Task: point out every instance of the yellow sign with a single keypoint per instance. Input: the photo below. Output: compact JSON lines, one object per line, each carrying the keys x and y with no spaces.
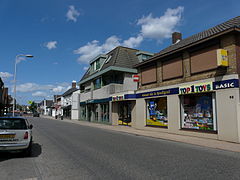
{"x":30,"y":102}
{"x":222,"y":57}
{"x":196,"y":88}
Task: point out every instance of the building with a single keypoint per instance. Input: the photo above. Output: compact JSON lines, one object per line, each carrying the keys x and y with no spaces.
{"x":108,"y":75}
{"x":1,"y":97}
{"x":67,"y":100}
{"x":192,"y":86}
{"x":57,"y":104}
{"x":46,"y":107}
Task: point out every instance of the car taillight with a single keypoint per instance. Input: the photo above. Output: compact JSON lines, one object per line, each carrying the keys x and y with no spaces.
{"x":26,"y":135}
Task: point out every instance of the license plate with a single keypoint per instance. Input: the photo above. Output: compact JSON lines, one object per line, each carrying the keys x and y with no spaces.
{"x":7,"y":136}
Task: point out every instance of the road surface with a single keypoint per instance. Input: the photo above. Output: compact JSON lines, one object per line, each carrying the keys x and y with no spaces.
{"x":67,"y":151}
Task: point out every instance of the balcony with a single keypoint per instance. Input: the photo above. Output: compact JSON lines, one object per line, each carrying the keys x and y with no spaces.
{"x":106,"y":91}
{"x":84,"y":96}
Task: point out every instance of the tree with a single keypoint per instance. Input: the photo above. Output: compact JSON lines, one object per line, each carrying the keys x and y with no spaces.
{"x":33,"y":107}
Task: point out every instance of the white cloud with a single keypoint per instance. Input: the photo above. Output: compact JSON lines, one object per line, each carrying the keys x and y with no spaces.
{"x":161,"y":27}
{"x":51,"y":45}
{"x":85,"y":68}
{"x":19,"y":59}
{"x":31,"y":87}
{"x":158,"y":28}
{"x":72,"y":14}
{"x":39,"y":94}
{"x":133,"y":42}
{"x":59,"y":89}
{"x":93,"y":49}
{"x":5,"y":75}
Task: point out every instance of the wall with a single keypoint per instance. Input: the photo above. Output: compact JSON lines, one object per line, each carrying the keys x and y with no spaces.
{"x":227,"y":114}
{"x":128,"y":83}
{"x":85,"y":96}
{"x":106,"y":91}
{"x":227,"y":42}
{"x":75,"y":105}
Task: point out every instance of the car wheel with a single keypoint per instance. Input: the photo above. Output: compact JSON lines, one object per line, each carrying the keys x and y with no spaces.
{"x":28,"y":152}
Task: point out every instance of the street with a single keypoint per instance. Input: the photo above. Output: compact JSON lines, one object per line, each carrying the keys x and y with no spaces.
{"x":64,"y":150}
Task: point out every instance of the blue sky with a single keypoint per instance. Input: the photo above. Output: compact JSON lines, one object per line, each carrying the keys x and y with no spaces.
{"x":63,"y":35}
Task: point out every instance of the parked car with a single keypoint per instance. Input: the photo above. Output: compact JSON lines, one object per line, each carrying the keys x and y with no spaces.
{"x":15,"y":135}
{"x":36,"y":114}
{"x":11,"y":114}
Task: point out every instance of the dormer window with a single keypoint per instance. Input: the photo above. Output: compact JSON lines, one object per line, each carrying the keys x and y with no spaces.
{"x":97,"y":62}
{"x":96,"y":65}
{"x":142,"y":56}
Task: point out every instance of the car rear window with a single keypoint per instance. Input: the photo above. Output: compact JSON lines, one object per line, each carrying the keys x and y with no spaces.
{"x":12,"y":124}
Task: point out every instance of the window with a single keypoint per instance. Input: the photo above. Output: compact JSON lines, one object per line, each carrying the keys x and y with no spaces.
{"x":105,"y":112}
{"x":149,"y":74}
{"x":12,"y":124}
{"x":172,"y":68}
{"x":97,"y":62}
{"x":108,"y":59}
{"x":198,"y":112}
{"x":157,"y":112}
{"x":204,"y":60}
{"x":97,"y":83}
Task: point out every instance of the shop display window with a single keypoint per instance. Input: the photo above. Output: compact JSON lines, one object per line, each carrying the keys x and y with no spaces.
{"x":83,"y":112}
{"x":124,"y":114}
{"x":157,"y":112}
{"x":105,"y":112}
{"x":198,"y":112}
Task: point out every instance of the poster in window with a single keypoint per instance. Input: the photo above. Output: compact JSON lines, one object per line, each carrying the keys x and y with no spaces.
{"x":157,"y":112}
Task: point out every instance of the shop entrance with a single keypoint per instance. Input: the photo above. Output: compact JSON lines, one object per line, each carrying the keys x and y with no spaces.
{"x":89,"y":113}
{"x":124,"y":113}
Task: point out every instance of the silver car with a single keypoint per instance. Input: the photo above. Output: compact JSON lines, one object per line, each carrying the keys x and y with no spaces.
{"x":15,"y":135}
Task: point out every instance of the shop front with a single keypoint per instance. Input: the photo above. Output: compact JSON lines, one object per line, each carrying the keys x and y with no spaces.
{"x":123,"y":108}
{"x":95,"y":110}
{"x":204,"y":109}
{"x":157,"y":112}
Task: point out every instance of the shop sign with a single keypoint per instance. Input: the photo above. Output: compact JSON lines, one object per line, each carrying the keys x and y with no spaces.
{"x":222,"y":57}
{"x":196,"y":88}
{"x":118,"y":98}
{"x":158,"y":93}
{"x":232,"y":83}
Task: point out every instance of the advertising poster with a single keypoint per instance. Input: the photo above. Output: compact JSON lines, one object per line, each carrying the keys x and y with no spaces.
{"x":157,"y":112}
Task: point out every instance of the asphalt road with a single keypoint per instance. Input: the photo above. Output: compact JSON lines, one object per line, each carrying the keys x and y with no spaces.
{"x":69,"y":151}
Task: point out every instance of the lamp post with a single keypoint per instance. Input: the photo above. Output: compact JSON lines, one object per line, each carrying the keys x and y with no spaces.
{"x":15,"y":74}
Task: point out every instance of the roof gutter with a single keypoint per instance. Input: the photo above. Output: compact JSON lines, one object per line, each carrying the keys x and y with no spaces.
{"x":186,"y":47}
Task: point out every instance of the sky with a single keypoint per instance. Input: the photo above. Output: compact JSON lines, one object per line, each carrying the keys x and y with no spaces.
{"x":64,"y":35}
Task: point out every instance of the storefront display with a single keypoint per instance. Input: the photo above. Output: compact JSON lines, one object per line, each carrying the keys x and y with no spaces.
{"x":105,"y":112}
{"x":124,"y":113}
{"x":157,"y":112}
{"x":197,"y":112}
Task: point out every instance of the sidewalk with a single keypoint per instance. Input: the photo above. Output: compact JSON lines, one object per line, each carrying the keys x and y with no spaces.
{"x":217,"y":144}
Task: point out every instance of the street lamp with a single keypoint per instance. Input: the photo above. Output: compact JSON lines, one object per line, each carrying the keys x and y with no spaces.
{"x":15,"y":74}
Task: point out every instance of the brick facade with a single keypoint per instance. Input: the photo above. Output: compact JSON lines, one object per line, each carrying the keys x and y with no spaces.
{"x":229,"y":42}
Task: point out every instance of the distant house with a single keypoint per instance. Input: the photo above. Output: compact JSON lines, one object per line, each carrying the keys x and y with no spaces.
{"x":67,"y":100}
{"x":1,"y":97}
{"x":108,"y":76}
{"x":46,"y":107}
{"x":56,"y":110}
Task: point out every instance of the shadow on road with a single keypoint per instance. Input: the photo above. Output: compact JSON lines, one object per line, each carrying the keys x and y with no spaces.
{"x":36,"y":151}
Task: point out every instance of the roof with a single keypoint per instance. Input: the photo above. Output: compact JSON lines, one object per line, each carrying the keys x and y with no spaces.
{"x":70,"y":91}
{"x":227,"y":26}
{"x":121,"y":57}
